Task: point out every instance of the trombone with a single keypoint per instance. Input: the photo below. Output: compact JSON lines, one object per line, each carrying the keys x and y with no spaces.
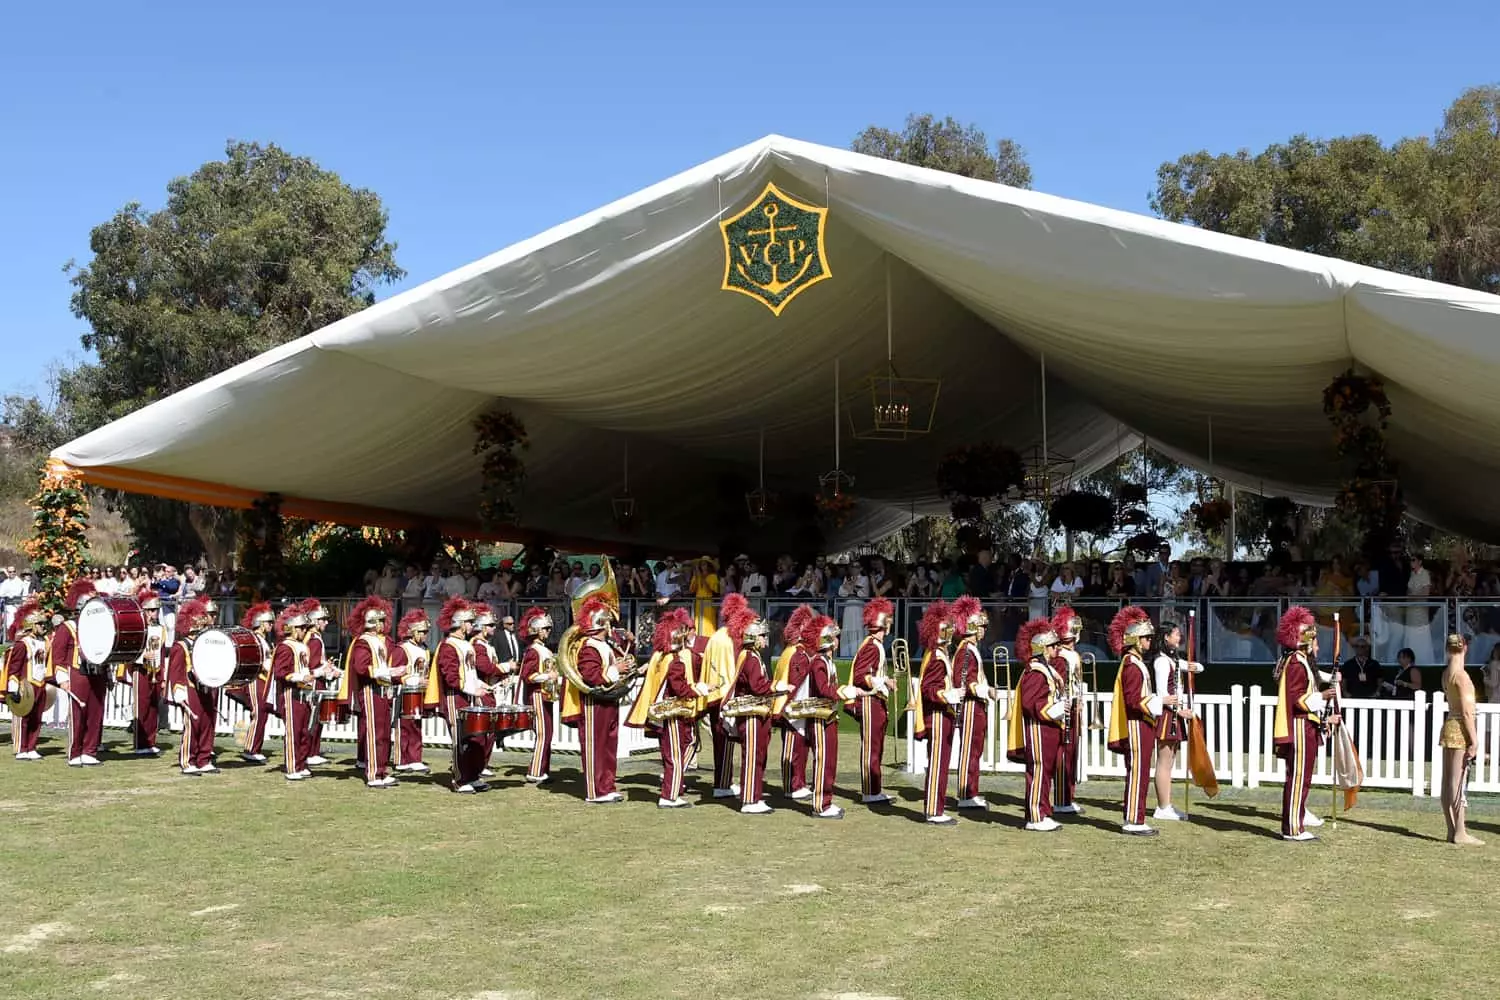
{"x":1096,"y":720}
{"x":998,"y":655}
{"x":900,"y":664}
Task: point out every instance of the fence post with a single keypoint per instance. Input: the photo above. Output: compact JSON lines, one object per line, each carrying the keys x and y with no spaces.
{"x":1419,"y":744}
{"x":1237,"y":736}
{"x":1252,"y":745}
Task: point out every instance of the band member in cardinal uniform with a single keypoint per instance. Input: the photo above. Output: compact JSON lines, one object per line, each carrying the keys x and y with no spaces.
{"x":458,"y":683}
{"x":793,"y":742}
{"x":1302,"y":698}
{"x":371,"y":684}
{"x":670,"y":680}
{"x":969,"y":624}
{"x":822,"y":639}
{"x":1137,"y":710}
{"x":1167,"y":667}
{"x":148,"y":677}
{"x":324,"y":670}
{"x":291,"y":667}
{"x":491,"y":671}
{"x":540,"y":682}
{"x":935,"y":700}
{"x":1069,"y":627}
{"x":599,"y":664}
{"x":199,"y":702}
{"x":85,"y":684}
{"x":257,"y":694}
{"x":868,"y":677}
{"x":23,"y":679}
{"x":411,"y":654}
{"x":1041,"y":721}
{"x":748,"y":631}
{"x":724,"y":783}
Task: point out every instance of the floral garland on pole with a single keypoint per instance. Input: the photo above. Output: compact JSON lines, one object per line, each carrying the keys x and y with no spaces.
{"x":1360,"y":411}
{"x":262,"y":572}
{"x":58,"y":546}
{"x":498,"y":435}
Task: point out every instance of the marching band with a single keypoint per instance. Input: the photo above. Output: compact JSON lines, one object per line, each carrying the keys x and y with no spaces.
{"x":391,"y":685}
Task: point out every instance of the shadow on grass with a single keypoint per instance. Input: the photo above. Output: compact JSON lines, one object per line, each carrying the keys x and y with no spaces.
{"x":1399,"y":831}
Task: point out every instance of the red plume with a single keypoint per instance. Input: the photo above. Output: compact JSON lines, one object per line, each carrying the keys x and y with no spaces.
{"x":354,"y":624}
{"x":1027,"y":632}
{"x":78,"y":592}
{"x":451,"y":608}
{"x":26,"y":610}
{"x":410,"y":620}
{"x":668,"y":624}
{"x":1289,"y":629}
{"x":737,"y":615}
{"x":1123,"y":619}
{"x":963,"y":609}
{"x":933,"y":618}
{"x":528,"y":616}
{"x":592,"y":605}
{"x":1062,"y":621}
{"x":813,"y":629}
{"x":279,"y":628}
{"x":255,"y":611}
{"x":878,"y":606}
{"x":791,"y":632}
{"x":190,"y":612}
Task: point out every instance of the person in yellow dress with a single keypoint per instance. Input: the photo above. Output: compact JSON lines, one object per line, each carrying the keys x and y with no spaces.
{"x":704,"y":586}
{"x":1460,"y":742}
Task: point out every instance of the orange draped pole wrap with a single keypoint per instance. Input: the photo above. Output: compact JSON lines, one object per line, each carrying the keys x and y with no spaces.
{"x":1200,"y":764}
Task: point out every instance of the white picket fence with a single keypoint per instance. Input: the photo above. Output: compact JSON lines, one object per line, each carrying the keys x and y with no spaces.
{"x":118,"y":713}
{"x":1397,"y":741}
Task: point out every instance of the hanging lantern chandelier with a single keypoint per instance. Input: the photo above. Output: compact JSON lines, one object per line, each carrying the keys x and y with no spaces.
{"x":833,"y":498}
{"x":623,"y":504}
{"x":1046,"y":473}
{"x":889,"y":406}
{"x":758,"y":502}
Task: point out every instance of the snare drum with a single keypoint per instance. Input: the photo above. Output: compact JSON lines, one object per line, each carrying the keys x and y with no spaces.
{"x":111,"y":630}
{"x":513,"y":718}
{"x":479,"y":720}
{"x":331,"y":710}
{"x":411,"y":703}
{"x":224,"y":657}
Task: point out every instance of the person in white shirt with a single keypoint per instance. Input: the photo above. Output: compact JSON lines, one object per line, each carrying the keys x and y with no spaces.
{"x":755,"y":581}
{"x":667,"y":581}
{"x":1068,"y":584}
{"x":12,"y":590}
{"x":454,"y":584}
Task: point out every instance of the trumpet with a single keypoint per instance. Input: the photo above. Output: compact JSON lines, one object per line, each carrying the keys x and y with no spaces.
{"x":1096,"y":713}
{"x":998,"y":655}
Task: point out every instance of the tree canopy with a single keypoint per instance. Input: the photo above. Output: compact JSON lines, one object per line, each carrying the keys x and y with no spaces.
{"x":249,"y":252}
{"x":947,"y":145}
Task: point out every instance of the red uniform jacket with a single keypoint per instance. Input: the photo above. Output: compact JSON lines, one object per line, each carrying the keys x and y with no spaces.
{"x":591,"y":664}
{"x":798,"y":671}
{"x":62,"y":650}
{"x":450,"y":672}
{"x":484,"y":661}
{"x":823,"y":678}
{"x":1300,"y":701}
{"x":284,"y":664}
{"x":1041,"y":686}
{"x":676,"y":684}
{"x":752,"y":678}
{"x":967,"y":670}
{"x":179,"y":669}
{"x":935,"y":679}
{"x":867,"y":660}
{"x":532,"y":663}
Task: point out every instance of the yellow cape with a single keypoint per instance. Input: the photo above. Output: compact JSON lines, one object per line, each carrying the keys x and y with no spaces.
{"x":719,"y":668}
{"x":914,"y":698}
{"x":1119,"y":732}
{"x":783,"y":672}
{"x":656,"y":676}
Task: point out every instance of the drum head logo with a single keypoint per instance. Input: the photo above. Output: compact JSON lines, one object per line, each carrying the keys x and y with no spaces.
{"x":773,"y":250}
{"x":96,"y":632}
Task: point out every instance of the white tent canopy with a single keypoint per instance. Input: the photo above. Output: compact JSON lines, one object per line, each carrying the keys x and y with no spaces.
{"x":612,"y":332}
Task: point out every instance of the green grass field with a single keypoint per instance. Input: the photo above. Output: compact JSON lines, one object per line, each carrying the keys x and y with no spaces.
{"x":128,"y":881}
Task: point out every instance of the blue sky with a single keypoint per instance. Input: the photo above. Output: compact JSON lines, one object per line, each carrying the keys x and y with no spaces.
{"x":480,"y":124}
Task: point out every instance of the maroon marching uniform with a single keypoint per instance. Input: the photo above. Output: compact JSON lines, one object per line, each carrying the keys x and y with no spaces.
{"x":974,"y":719}
{"x":199,"y":702}
{"x":870,"y":710}
{"x":318,"y":664}
{"x":795,"y":746}
{"x":1040,"y":721}
{"x":87,"y":685}
{"x":754,"y":731}
{"x":723,"y":746}
{"x":599,"y":725}
{"x":291,"y":668}
{"x":1297,"y":730}
{"x":675,"y":735}
{"x":536,"y":662}
{"x":412,"y":657}
{"x":823,"y":735}
{"x":148,"y":681}
{"x":26,"y":664}
{"x":1137,"y":709}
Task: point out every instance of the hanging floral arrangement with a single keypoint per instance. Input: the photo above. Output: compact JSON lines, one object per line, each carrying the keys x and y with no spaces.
{"x":983,"y":471}
{"x":1211,"y":516}
{"x":498,"y":435}
{"x":1147,"y":542}
{"x":835,"y":506}
{"x":58,"y":546}
{"x":1360,"y":411}
{"x":262,"y":572}
{"x":1083,"y":511}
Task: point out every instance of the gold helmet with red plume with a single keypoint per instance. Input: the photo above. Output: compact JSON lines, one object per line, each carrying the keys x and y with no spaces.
{"x":791,"y":632}
{"x":1068,"y":625}
{"x":595,"y":614}
{"x":455,"y":614}
{"x":369,"y":615}
{"x":936,"y":626}
{"x":534,"y":621}
{"x":1297,"y":629}
{"x":194,"y":616}
{"x":413,"y":621}
{"x":1129,"y":628}
{"x":672,"y":628}
{"x":79,"y":591}
{"x":317,"y":615}
{"x":969,"y":618}
{"x":821,"y":634}
{"x":293,"y":616}
{"x":1036,"y":639}
{"x":258,"y":614}
{"x":148,"y":599}
{"x":879,"y":614}
{"x":743,"y":622}
{"x":483,"y":614}
{"x":30,"y":620}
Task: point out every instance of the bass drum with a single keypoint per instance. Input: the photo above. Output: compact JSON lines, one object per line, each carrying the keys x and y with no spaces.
{"x":111,"y":630}
{"x":226,"y":657}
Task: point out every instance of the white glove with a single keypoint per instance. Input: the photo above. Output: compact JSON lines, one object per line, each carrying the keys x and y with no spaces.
{"x":509,"y":667}
{"x":14,"y":687}
{"x":982,"y":690}
{"x":1059,"y":709}
{"x":383,"y":674}
{"x":953,"y":697}
{"x":474,"y":689}
{"x":849,"y":692}
{"x":1195,"y":668}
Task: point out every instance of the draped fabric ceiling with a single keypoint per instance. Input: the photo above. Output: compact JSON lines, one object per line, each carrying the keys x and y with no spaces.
{"x":610,"y":334}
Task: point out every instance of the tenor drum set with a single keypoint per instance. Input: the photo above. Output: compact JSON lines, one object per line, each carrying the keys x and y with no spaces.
{"x":226,"y":657}
{"x":111,"y":630}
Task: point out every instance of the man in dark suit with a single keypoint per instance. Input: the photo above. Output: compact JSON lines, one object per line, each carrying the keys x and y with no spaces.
{"x":1361,"y":672}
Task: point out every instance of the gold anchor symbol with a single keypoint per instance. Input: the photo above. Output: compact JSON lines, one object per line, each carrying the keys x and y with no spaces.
{"x":775,"y":286}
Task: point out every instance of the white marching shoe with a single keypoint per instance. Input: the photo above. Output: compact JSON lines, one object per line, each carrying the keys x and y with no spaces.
{"x":319,"y":759}
{"x":1309,"y":820}
{"x":1300,"y":838}
{"x":876,"y":799}
{"x":1138,"y":830}
{"x":977,"y":802}
{"x":673,"y":804}
{"x":539,"y":779}
{"x":88,"y":760}
{"x":1071,"y":809}
{"x":486,"y":773}
{"x":297,"y":776}
{"x":604,"y":800}
{"x":29,"y":755}
{"x":1167,"y":813}
{"x":725,"y":793}
{"x":465,"y":789}
{"x":944,"y":820}
{"x":800,"y":794}
{"x":253,"y":758}
{"x":756,"y":809}
{"x":1044,"y":825}
{"x":75,"y":761}
{"x":832,"y":812}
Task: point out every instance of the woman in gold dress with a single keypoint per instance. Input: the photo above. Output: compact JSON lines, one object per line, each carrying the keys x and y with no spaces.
{"x":1459,"y":741}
